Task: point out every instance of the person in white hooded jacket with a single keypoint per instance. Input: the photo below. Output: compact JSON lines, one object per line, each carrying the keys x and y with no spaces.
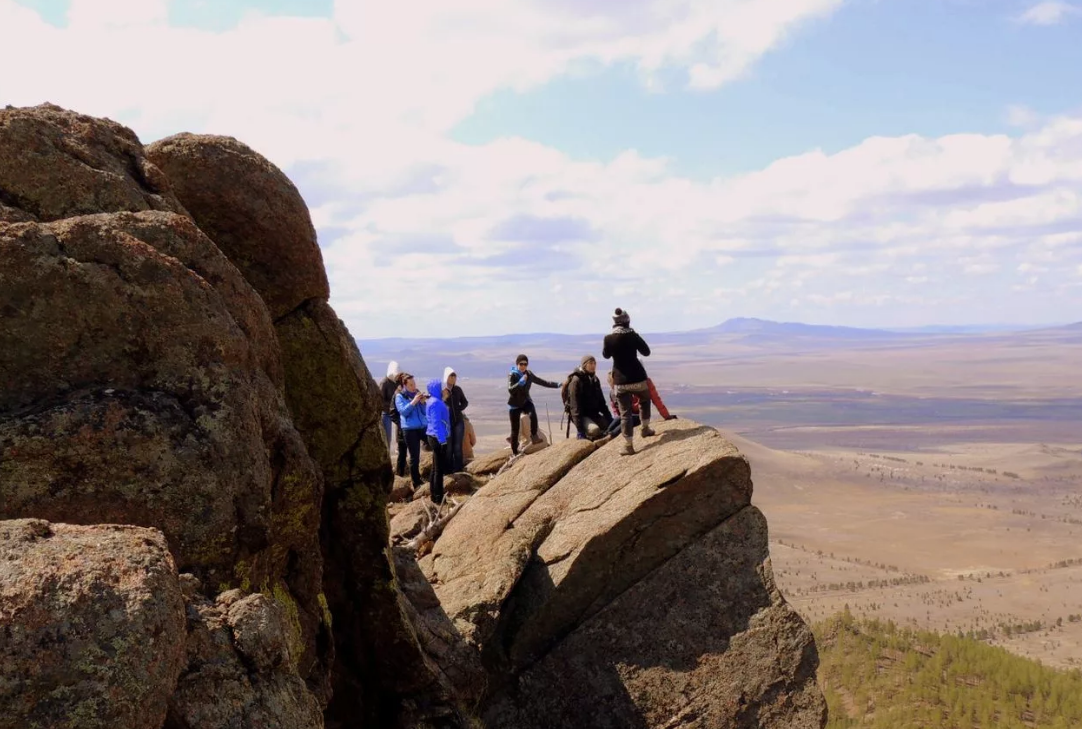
{"x":456,"y":403}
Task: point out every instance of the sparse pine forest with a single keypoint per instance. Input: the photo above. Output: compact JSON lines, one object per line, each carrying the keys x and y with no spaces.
{"x":876,"y":675}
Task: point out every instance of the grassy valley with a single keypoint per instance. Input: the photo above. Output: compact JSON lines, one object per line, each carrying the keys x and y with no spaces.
{"x":879,"y":676}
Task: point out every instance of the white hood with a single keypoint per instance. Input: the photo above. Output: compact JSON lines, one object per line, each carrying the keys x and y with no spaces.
{"x":447,"y":372}
{"x":393,"y":370}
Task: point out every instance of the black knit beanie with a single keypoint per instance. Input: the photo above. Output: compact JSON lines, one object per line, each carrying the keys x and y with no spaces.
{"x":522,"y":358}
{"x":621,"y":318}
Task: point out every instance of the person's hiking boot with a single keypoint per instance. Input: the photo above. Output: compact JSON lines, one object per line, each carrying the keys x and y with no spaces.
{"x":627,"y":448}
{"x":647,"y":431}
{"x":535,"y":439}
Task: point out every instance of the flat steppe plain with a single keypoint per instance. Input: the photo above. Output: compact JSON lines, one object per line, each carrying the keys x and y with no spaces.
{"x":933,"y":481}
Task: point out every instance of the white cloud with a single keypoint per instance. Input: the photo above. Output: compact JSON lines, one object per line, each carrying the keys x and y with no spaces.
{"x":517,"y":236}
{"x":1050,"y":12}
{"x":1021,"y":116}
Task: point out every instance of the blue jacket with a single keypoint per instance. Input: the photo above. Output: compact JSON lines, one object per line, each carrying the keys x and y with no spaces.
{"x":413,"y":416}
{"x":439,"y":417}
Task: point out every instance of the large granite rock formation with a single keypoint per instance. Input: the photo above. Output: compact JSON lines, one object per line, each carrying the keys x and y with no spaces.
{"x":258,"y":219}
{"x":171,"y":362}
{"x":142,"y":379}
{"x":602,"y":590}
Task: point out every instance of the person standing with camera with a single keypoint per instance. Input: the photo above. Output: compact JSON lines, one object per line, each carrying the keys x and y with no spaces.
{"x":410,"y":403}
{"x":624,"y":345}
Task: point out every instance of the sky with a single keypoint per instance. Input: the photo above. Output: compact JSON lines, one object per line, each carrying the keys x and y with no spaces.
{"x":487,"y":167}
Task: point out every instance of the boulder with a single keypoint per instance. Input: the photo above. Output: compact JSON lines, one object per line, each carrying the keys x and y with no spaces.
{"x":240,"y":666}
{"x":483,"y":551}
{"x":57,"y":164}
{"x":704,"y":640}
{"x":612,"y":520}
{"x":252,"y":211}
{"x":144,"y":392}
{"x":608,"y":590}
{"x":489,"y":464}
{"x":259,"y":220}
{"x":91,"y":626}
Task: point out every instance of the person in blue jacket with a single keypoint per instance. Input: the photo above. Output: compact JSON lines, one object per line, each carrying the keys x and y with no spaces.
{"x":519,"y":400}
{"x":411,"y":413}
{"x":439,"y":434}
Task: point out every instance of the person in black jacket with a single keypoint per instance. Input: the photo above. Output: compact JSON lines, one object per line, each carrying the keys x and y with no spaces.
{"x":387,"y":389}
{"x":391,"y":386}
{"x":624,"y":345}
{"x":456,"y":403}
{"x":586,"y":401}
{"x":518,"y":401}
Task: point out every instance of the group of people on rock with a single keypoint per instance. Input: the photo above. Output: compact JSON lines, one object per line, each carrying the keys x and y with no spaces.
{"x":434,"y":418}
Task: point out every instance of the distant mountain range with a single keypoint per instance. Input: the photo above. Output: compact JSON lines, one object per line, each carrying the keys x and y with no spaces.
{"x":489,"y":356}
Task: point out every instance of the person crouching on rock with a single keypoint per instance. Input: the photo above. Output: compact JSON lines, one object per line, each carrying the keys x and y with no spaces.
{"x":411,"y":412}
{"x":586,"y":401}
{"x":623,"y":345}
{"x":438,"y":416}
{"x":518,"y":402}
{"x":456,"y":402}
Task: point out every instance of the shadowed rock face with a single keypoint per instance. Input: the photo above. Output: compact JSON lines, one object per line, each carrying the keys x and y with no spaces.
{"x":622,"y":591}
{"x":260,"y":222}
{"x":91,"y":626}
{"x":243,"y":671}
{"x":144,"y":383}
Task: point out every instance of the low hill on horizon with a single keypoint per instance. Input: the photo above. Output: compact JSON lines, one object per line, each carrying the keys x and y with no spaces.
{"x":551,"y":353}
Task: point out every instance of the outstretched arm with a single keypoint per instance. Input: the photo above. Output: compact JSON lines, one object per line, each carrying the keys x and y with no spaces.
{"x":538,"y":381}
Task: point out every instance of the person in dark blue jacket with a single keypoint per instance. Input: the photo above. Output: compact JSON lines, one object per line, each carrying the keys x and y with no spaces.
{"x":519,"y":401}
{"x":439,"y":434}
{"x":411,"y":412}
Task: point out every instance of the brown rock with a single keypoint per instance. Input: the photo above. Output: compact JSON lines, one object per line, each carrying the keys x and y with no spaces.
{"x":107,"y":415}
{"x":489,"y":464}
{"x":615,"y":518}
{"x":252,"y":211}
{"x":704,"y":640}
{"x":240,"y":673}
{"x":91,"y":626}
{"x":457,"y":662}
{"x":382,"y":672}
{"x":57,"y":164}
{"x":483,"y":551}
{"x":138,"y":396}
{"x":257,"y":217}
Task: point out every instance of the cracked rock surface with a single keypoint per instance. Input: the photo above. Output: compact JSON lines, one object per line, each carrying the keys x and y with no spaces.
{"x":623,"y":591}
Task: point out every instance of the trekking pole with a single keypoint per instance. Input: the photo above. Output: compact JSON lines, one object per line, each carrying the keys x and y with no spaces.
{"x":548,"y":420}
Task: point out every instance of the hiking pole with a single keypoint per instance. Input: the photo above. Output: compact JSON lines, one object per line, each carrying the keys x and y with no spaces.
{"x":548,"y":420}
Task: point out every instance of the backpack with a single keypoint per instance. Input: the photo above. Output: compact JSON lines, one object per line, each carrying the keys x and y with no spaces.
{"x":565,"y":390}
{"x":565,"y":395}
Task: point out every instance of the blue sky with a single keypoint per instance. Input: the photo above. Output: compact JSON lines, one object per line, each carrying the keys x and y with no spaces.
{"x":930,"y":67}
{"x":529,"y":165}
